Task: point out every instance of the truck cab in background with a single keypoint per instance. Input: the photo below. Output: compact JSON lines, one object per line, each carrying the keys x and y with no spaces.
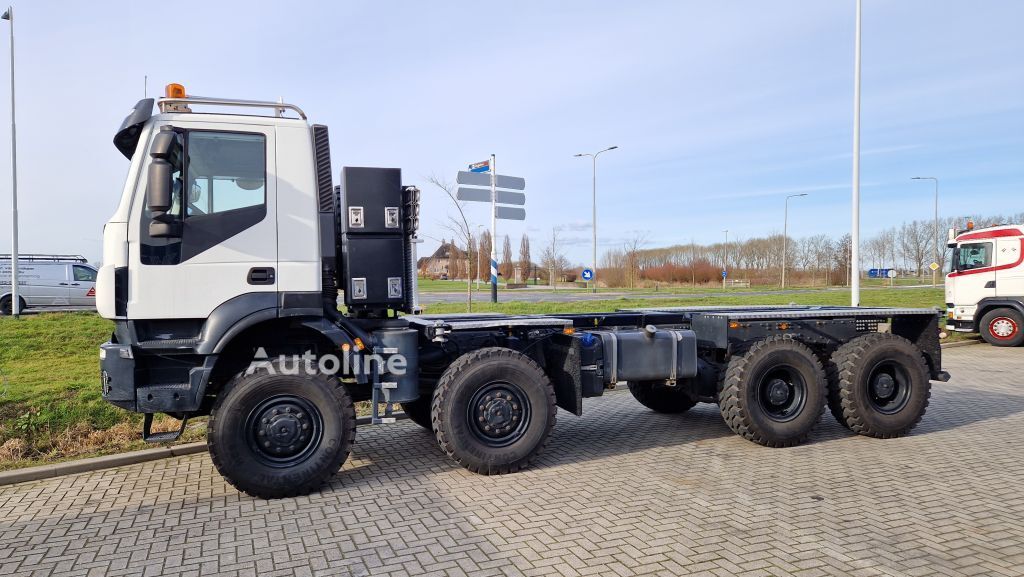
{"x":985,"y":286}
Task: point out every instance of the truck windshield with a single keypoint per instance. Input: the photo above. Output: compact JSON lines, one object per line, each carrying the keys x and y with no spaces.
{"x":973,"y":255}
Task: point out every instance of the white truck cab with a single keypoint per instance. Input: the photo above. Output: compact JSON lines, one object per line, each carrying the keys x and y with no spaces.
{"x":985,"y":288}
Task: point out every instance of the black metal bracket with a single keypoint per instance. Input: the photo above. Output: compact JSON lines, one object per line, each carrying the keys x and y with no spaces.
{"x":150,"y":437}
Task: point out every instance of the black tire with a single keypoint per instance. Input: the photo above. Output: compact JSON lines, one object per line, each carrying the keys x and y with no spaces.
{"x":7,"y":308}
{"x":261,"y":465}
{"x":1002,"y":328}
{"x":418,"y":412}
{"x":833,"y":400}
{"x":661,"y":398}
{"x":773,"y":394}
{"x":493,"y":411}
{"x":882,"y":384}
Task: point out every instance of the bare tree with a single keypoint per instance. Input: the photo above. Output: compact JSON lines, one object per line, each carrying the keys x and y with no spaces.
{"x":485,"y":255}
{"x":631,"y":250}
{"x":506,"y":259}
{"x":915,"y":244}
{"x":553,"y":260}
{"x":524,"y":256}
{"x":460,"y":227}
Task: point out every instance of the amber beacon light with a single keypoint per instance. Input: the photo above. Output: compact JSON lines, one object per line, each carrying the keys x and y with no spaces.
{"x":174,"y":90}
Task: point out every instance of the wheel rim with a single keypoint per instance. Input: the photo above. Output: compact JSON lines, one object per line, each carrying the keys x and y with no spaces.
{"x":499,"y":413}
{"x":284,"y":430}
{"x":782,"y":393}
{"x":1003,"y":328}
{"x":888,"y":387}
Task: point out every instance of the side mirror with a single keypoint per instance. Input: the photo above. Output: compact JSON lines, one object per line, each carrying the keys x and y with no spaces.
{"x":951,"y":237}
{"x":159,"y":186}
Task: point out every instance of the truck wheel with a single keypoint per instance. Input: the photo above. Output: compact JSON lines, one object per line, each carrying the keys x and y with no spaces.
{"x":773,"y":394}
{"x":276,"y":435}
{"x":493,"y":411}
{"x":661,"y":398}
{"x":882,"y":383}
{"x":1002,"y":328}
{"x":418,"y":412}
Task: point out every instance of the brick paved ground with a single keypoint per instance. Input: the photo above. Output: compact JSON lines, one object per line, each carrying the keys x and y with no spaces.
{"x":621,"y":491}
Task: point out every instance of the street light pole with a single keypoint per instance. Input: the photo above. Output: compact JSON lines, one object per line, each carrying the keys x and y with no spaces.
{"x":15,"y":299}
{"x":594,"y":213}
{"x":785,"y":234}
{"x":935,"y":273}
{"x":855,"y":220}
{"x":725,"y":262}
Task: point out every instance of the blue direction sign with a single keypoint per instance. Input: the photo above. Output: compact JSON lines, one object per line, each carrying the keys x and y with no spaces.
{"x":482,"y":166}
{"x":587,"y":274}
{"x":725,"y":274}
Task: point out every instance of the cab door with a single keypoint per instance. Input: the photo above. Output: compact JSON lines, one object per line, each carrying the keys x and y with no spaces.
{"x":1010,"y":267}
{"x":224,"y":198}
{"x":975,"y":274}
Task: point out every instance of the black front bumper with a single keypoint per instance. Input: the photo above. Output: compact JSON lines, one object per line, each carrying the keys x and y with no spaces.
{"x":117,"y":375}
{"x":123,"y":377}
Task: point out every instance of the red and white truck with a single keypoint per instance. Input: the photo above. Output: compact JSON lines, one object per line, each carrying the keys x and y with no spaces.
{"x":985,"y":286}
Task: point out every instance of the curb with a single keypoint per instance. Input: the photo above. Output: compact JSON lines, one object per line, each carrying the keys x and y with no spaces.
{"x":961,"y":344}
{"x":41,"y":472}
{"x":97,"y":463}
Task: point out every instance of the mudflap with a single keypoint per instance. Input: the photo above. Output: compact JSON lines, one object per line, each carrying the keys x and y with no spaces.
{"x":562,"y":365}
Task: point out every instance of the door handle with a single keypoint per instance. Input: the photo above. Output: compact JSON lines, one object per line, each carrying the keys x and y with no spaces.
{"x":63,"y":284}
{"x":75,"y":284}
{"x":261,"y":276}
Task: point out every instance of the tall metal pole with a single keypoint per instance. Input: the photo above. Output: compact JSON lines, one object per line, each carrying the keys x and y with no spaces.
{"x":593,"y":229}
{"x":494,"y":232}
{"x":15,"y":299}
{"x":593,"y":265}
{"x":785,"y":234}
{"x":725,"y":262}
{"x":855,"y":224}
{"x":935,"y":273}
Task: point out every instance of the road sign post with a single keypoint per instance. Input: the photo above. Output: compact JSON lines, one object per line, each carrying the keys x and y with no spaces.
{"x":494,"y":232}
{"x":493,"y":182}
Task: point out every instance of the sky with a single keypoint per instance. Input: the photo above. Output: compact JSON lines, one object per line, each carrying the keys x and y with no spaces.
{"x":719,"y":109}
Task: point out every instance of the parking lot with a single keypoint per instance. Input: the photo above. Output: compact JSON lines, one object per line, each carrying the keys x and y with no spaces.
{"x":619,"y":491}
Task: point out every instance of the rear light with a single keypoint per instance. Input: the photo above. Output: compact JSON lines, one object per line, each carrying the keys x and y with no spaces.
{"x":91,"y":293}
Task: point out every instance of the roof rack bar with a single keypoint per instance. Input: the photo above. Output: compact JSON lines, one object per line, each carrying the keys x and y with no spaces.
{"x":47,"y":257}
{"x":212,"y":101}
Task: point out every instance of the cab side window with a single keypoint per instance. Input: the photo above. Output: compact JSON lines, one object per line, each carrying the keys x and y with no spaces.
{"x":226,"y":171}
{"x":84,"y":274}
{"x":974,"y":255}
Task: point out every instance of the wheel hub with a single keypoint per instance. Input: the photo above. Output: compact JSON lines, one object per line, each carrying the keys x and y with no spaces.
{"x":1003,"y":327}
{"x":498,"y":413}
{"x":778,"y":391}
{"x":888,"y":387}
{"x":781,"y":393}
{"x":883,"y":385}
{"x":284,"y":429}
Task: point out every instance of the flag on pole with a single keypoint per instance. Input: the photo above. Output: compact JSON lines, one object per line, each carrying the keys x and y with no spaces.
{"x":482,"y":166}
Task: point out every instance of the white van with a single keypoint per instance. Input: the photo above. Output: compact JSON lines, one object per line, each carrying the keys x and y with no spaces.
{"x":48,"y":280}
